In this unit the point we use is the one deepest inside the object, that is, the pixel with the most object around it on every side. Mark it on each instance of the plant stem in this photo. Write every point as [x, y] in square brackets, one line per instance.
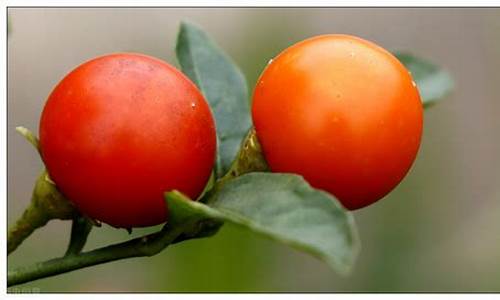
[80, 229]
[249, 159]
[144, 246]
[47, 203]
[31, 219]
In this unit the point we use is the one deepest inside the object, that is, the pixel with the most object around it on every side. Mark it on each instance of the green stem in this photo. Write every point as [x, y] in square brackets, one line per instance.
[249, 159]
[80, 229]
[31, 219]
[144, 246]
[47, 203]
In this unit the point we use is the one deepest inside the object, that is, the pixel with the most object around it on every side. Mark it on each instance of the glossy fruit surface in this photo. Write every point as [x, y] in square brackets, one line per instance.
[342, 112]
[119, 131]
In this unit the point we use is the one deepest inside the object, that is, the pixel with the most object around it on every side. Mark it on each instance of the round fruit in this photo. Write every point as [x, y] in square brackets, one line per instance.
[343, 113]
[119, 131]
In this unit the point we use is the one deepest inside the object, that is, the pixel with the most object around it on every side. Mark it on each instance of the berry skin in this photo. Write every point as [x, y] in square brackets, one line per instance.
[342, 112]
[119, 131]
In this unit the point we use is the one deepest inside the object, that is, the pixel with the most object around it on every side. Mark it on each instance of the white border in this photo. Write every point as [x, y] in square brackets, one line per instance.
[219, 3]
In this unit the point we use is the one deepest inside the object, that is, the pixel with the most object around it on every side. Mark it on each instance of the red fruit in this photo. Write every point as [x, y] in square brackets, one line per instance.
[342, 112]
[119, 131]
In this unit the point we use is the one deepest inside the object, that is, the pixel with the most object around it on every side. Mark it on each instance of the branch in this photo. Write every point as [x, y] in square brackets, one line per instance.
[31, 219]
[80, 229]
[54, 205]
[148, 245]
[47, 203]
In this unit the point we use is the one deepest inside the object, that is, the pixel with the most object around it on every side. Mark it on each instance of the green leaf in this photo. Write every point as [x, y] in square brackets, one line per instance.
[285, 208]
[29, 136]
[180, 212]
[433, 82]
[222, 84]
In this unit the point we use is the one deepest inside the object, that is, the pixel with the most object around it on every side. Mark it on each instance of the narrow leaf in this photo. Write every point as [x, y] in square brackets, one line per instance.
[222, 84]
[29, 136]
[433, 82]
[284, 208]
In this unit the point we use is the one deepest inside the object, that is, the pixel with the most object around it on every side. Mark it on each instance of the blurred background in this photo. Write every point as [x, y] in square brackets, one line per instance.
[439, 230]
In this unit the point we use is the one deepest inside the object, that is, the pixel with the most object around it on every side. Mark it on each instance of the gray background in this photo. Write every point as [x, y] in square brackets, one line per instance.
[438, 231]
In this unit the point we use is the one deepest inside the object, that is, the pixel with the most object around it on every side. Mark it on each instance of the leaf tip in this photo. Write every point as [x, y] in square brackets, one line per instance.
[185, 25]
[29, 136]
[182, 26]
